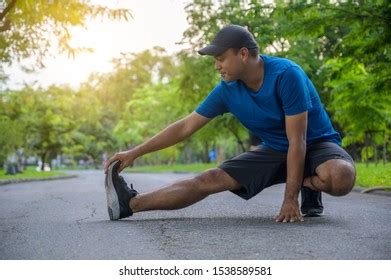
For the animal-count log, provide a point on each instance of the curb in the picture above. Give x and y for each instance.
(372, 191)
(14, 181)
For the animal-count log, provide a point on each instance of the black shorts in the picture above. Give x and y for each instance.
(263, 167)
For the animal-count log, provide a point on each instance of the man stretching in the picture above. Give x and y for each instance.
(274, 99)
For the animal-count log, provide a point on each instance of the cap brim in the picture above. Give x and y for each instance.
(212, 50)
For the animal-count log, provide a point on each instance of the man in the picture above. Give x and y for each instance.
(276, 101)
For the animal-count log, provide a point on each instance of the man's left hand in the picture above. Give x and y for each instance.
(289, 212)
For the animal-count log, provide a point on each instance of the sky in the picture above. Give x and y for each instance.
(154, 23)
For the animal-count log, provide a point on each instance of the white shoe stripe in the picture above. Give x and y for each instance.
(111, 194)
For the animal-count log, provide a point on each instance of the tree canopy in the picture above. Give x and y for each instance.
(344, 47)
(28, 28)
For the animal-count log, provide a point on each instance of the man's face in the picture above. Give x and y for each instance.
(229, 65)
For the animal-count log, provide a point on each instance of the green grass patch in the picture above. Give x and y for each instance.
(74, 167)
(195, 167)
(30, 173)
(373, 175)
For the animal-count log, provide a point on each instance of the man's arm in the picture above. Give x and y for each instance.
(171, 135)
(296, 130)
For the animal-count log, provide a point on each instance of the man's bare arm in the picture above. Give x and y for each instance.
(296, 130)
(171, 135)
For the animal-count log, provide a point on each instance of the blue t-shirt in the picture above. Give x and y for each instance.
(286, 90)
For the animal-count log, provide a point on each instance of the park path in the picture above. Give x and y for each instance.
(67, 219)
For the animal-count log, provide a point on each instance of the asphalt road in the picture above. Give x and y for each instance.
(67, 219)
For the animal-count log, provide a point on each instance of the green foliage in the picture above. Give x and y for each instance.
(93, 134)
(207, 17)
(44, 120)
(11, 136)
(159, 93)
(30, 27)
(344, 47)
(357, 108)
(49, 121)
(136, 77)
(357, 61)
(151, 109)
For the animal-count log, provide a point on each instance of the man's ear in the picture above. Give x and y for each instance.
(244, 54)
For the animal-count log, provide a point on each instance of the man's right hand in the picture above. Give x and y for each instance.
(126, 158)
(290, 212)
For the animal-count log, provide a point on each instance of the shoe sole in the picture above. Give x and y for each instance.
(313, 214)
(111, 195)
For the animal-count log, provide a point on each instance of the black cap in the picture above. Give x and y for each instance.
(230, 36)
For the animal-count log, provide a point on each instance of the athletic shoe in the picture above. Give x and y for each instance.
(311, 202)
(118, 193)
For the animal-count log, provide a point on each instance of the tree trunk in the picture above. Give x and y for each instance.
(384, 149)
(205, 154)
(221, 154)
(238, 140)
(43, 158)
(366, 149)
(188, 155)
(7, 9)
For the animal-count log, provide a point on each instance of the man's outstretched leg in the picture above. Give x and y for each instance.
(175, 196)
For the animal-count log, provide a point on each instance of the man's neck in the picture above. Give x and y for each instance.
(253, 75)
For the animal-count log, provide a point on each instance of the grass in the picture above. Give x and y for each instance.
(195, 167)
(30, 173)
(373, 175)
(74, 167)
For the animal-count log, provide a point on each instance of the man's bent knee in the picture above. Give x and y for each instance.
(342, 179)
(215, 180)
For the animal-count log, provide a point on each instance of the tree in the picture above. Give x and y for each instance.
(12, 126)
(49, 120)
(344, 47)
(92, 135)
(28, 28)
(206, 18)
(131, 72)
(356, 65)
(11, 136)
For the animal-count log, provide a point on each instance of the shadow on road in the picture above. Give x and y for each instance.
(225, 222)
